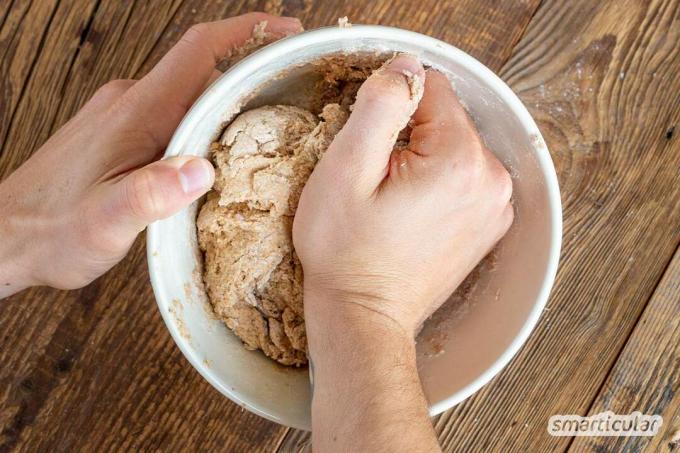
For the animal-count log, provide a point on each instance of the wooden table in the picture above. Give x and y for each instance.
(96, 370)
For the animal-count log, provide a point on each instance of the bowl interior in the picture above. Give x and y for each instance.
(481, 335)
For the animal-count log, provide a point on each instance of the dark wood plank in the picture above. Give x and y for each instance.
(112, 46)
(95, 368)
(31, 121)
(600, 78)
(646, 376)
(296, 441)
(22, 36)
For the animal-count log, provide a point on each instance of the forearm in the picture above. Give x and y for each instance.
(367, 394)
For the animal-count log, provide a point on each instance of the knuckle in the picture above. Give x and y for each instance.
(431, 132)
(439, 80)
(384, 88)
(475, 165)
(114, 88)
(196, 34)
(141, 196)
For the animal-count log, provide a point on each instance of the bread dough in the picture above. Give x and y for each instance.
(252, 275)
(263, 159)
(258, 39)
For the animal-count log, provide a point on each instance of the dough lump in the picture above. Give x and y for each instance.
(251, 272)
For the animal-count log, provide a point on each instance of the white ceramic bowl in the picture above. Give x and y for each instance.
(509, 300)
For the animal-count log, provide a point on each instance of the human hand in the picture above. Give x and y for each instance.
(74, 208)
(390, 234)
(384, 237)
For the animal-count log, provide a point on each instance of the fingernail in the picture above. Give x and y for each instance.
(405, 64)
(196, 176)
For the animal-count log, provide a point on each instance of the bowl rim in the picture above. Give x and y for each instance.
(328, 34)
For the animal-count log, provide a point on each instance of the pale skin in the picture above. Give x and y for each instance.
(384, 237)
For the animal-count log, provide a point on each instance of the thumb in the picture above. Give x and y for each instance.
(157, 191)
(383, 107)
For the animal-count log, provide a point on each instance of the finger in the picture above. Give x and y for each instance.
(157, 191)
(440, 120)
(166, 93)
(383, 107)
(216, 74)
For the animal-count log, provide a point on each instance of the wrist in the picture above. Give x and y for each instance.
(343, 329)
(365, 379)
(360, 301)
(360, 351)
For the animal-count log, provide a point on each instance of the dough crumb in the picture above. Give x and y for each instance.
(259, 38)
(416, 85)
(343, 22)
(176, 310)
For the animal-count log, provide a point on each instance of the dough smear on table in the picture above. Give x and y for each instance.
(263, 160)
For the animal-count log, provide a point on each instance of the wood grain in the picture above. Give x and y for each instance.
(22, 38)
(650, 360)
(599, 77)
(95, 369)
